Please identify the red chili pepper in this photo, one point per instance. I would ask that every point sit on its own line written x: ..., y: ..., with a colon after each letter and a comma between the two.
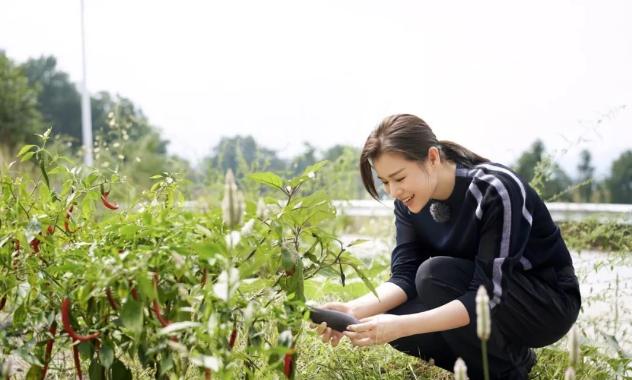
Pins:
x: 35, y: 243
x: 106, y: 202
x: 233, y: 338
x: 288, y: 363
x: 155, y: 306
x: 204, y: 276
x: 67, y: 220
x: 75, y: 356
x: 50, y: 230
x: 111, y: 300
x: 135, y: 294
x: 65, y: 319
x: 156, y: 309
x: 49, y: 348
x: 3, y: 302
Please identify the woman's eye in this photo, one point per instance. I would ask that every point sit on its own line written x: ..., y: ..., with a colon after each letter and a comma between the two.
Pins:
x: 401, y: 179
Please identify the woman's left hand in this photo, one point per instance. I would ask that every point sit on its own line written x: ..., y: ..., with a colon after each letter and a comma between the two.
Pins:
x: 378, y: 329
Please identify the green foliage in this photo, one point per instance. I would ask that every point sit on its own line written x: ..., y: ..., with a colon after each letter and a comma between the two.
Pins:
x: 619, y: 183
x: 586, y: 171
x: 19, y: 116
x: 58, y: 99
x: 164, y: 287
x: 544, y: 175
x: 597, y: 235
x: 552, y: 363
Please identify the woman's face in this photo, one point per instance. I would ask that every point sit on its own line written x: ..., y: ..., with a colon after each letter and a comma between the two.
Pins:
x: 411, y: 182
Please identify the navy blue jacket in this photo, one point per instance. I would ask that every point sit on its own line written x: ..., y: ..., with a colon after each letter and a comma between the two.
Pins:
x: 495, y: 220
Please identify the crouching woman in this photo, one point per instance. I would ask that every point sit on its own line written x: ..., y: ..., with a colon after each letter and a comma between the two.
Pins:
x: 461, y: 222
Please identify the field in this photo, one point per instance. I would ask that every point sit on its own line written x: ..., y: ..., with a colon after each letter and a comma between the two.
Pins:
x: 107, y: 282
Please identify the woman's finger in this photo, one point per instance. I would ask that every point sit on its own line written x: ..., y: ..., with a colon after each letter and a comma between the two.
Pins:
x: 327, y: 335
x: 360, y: 327
x: 365, y: 342
x: 358, y: 335
x: 321, y: 328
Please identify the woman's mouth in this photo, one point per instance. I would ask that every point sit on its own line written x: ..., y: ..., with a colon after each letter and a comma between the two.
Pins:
x: 408, y: 200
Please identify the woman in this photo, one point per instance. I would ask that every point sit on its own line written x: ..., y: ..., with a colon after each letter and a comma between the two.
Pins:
x: 461, y: 222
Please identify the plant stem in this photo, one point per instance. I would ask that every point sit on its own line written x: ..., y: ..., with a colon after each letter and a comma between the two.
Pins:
x: 485, y: 363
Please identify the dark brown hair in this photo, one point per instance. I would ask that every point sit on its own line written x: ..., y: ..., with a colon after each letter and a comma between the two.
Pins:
x: 412, y: 137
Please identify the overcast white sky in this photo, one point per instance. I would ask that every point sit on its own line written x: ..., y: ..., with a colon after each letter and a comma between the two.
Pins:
x: 491, y: 75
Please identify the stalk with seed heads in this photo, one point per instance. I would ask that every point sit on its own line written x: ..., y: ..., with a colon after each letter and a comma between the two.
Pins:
x: 460, y: 370
x: 483, y: 325
x: 573, y: 347
x: 233, y: 202
x: 569, y: 374
x: 573, y: 353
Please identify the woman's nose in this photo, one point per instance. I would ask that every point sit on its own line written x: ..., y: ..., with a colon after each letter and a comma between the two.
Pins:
x: 394, y: 190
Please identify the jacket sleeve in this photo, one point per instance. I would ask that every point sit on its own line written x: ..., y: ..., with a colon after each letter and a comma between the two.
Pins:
x: 408, y: 253
x: 505, y: 226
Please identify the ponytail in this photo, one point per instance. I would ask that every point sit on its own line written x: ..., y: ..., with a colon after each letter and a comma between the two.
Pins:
x: 457, y: 153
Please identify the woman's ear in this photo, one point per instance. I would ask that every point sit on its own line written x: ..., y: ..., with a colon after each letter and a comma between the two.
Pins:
x: 434, y: 157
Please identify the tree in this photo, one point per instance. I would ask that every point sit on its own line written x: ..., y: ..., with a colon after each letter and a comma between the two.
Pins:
x: 58, y: 99
x: 526, y: 163
x: 585, y: 176
x: 544, y: 175
x: 19, y: 117
x: 619, y: 184
x: 302, y: 161
x: 243, y: 155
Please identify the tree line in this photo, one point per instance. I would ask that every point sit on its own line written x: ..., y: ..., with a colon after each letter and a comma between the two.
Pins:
x: 35, y: 95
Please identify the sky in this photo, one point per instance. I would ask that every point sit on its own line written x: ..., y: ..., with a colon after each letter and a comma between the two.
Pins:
x: 490, y: 75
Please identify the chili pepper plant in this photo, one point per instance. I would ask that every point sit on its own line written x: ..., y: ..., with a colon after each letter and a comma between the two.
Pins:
x: 180, y: 292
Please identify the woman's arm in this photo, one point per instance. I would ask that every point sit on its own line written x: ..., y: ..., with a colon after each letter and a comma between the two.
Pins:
x: 386, y: 328
x: 390, y: 296
x: 449, y: 316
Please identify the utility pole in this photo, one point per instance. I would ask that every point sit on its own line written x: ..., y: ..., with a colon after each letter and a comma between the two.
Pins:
x: 86, y: 114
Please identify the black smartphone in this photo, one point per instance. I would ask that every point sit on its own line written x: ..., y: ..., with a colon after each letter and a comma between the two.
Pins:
x: 337, y: 320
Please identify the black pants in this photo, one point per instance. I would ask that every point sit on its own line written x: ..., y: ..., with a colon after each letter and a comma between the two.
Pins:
x: 538, y: 308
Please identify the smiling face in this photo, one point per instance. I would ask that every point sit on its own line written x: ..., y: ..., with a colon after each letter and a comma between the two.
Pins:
x: 412, y: 182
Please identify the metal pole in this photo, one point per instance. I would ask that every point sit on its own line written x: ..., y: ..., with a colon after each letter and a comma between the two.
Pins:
x: 86, y: 114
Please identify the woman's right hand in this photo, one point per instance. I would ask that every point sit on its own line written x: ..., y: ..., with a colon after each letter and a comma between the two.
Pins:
x: 329, y: 335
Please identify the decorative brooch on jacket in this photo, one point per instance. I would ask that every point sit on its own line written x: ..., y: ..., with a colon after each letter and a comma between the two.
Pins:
x: 440, y: 211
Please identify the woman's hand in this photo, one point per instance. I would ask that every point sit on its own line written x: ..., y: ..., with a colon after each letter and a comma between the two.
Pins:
x: 378, y: 329
x: 328, y: 335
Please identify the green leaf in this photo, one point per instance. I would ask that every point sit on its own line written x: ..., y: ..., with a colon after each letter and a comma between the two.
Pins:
x: 146, y: 285
x: 177, y: 326
x: 357, y: 242
x: 315, y: 167
x: 364, y: 278
x: 85, y: 349
x: 42, y: 166
x: 27, y: 156
x: 120, y: 371
x: 203, y: 230
x: 34, y: 373
x: 267, y: 178
x: 96, y: 371
x: 132, y: 316
x: 106, y: 355
x: 166, y: 363
x: 25, y: 149
x: 209, y: 250
x: 128, y: 231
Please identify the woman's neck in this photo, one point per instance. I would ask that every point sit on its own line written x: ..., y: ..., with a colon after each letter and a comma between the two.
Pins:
x: 446, y: 177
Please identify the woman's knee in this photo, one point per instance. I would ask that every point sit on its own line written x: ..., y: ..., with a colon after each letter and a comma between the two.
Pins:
x: 441, y: 279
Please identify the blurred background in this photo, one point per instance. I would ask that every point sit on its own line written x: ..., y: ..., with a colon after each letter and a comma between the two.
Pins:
x: 200, y: 87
